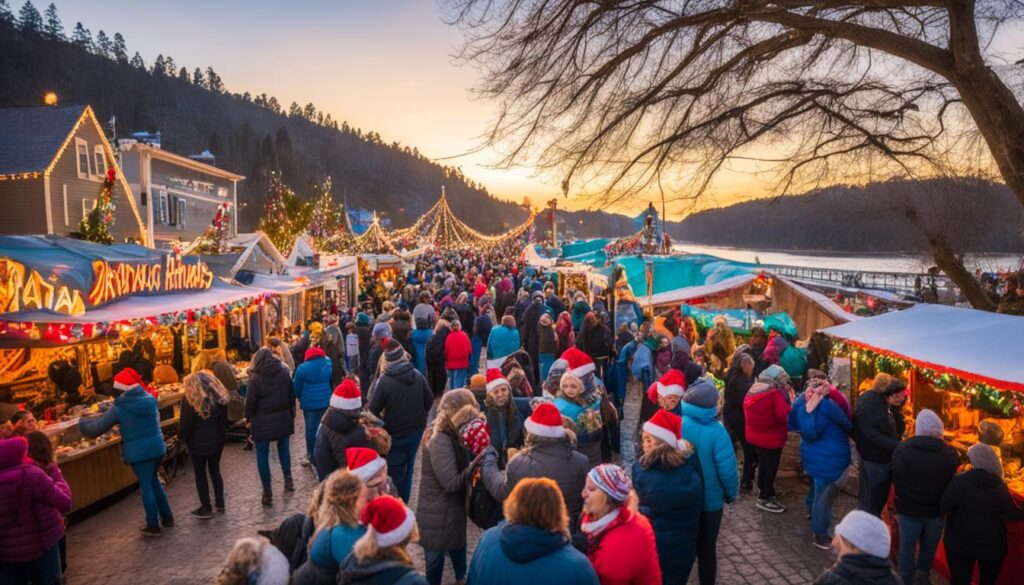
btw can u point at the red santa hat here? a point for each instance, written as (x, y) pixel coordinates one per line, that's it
(390, 520)
(672, 383)
(545, 421)
(666, 427)
(363, 463)
(579, 362)
(347, 396)
(128, 378)
(495, 379)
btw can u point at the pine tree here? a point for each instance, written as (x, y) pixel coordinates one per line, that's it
(277, 221)
(309, 112)
(273, 105)
(120, 49)
(183, 75)
(213, 82)
(169, 67)
(294, 111)
(53, 29)
(95, 227)
(104, 48)
(6, 16)
(137, 61)
(197, 78)
(82, 37)
(158, 66)
(29, 19)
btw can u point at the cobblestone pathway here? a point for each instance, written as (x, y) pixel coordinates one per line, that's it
(754, 547)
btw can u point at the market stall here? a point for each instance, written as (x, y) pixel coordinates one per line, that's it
(961, 363)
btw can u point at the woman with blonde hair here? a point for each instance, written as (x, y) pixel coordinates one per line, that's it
(337, 528)
(533, 546)
(203, 427)
(254, 561)
(443, 475)
(283, 352)
(380, 556)
(584, 410)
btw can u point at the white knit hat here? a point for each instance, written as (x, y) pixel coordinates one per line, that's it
(866, 532)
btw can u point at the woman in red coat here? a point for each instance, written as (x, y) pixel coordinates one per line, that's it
(620, 540)
(457, 349)
(766, 410)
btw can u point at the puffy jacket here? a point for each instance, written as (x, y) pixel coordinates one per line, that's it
(502, 342)
(203, 436)
(714, 453)
(514, 554)
(457, 350)
(436, 348)
(672, 499)
(327, 551)
(136, 412)
(625, 551)
(402, 399)
(269, 402)
(339, 430)
(312, 384)
(877, 427)
(444, 473)
(766, 414)
(977, 505)
(859, 569)
(579, 311)
(922, 467)
(31, 503)
(736, 387)
(352, 571)
(824, 438)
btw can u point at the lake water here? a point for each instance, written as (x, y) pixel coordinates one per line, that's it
(852, 262)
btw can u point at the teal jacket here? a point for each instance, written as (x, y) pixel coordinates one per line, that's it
(702, 428)
(331, 546)
(312, 384)
(503, 341)
(136, 412)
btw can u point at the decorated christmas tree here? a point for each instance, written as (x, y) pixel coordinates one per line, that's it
(214, 239)
(95, 227)
(280, 221)
(325, 219)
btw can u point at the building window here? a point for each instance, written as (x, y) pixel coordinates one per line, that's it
(162, 207)
(87, 206)
(100, 161)
(82, 151)
(64, 190)
(182, 206)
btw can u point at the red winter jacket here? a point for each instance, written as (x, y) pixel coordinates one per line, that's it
(766, 411)
(625, 551)
(31, 504)
(457, 350)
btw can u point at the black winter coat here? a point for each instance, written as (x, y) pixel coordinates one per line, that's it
(922, 468)
(269, 402)
(339, 430)
(736, 387)
(877, 427)
(402, 332)
(978, 505)
(402, 399)
(528, 328)
(203, 436)
(594, 342)
(466, 317)
(292, 539)
(859, 570)
(435, 348)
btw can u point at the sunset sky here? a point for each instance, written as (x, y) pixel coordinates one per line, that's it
(382, 65)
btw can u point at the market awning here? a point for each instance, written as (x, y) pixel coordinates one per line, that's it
(971, 344)
(682, 295)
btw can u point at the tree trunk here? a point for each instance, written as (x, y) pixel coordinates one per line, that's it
(950, 263)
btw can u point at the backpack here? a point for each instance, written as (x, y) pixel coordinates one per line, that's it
(481, 507)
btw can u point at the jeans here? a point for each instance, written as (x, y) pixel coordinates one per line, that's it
(202, 463)
(401, 461)
(874, 482)
(154, 500)
(767, 466)
(352, 363)
(914, 533)
(707, 543)
(961, 568)
(435, 564)
(457, 378)
(819, 501)
(474, 358)
(284, 455)
(312, 418)
(43, 571)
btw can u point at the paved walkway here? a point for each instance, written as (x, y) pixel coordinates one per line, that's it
(754, 546)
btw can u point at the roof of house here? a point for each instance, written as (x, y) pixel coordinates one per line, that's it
(183, 161)
(30, 137)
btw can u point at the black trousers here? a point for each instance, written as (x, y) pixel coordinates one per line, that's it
(707, 543)
(961, 568)
(739, 435)
(201, 464)
(767, 466)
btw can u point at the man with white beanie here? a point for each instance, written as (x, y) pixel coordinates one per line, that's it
(922, 467)
(862, 547)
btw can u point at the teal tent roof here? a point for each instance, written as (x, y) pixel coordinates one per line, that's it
(676, 272)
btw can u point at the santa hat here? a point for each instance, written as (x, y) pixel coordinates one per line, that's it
(390, 519)
(363, 463)
(128, 378)
(580, 363)
(666, 427)
(347, 396)
(495, 379)
(671, 383)
(545, 421)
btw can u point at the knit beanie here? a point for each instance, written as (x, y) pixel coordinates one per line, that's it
(702, 393)
(866, 532)
(478, 382)
(393, 351)
(381, 330)
(612, 480)
(928, 424)
(476, 435)
(984, 457)
(691, 372)
(774, 374)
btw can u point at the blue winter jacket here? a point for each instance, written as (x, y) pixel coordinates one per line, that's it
(312, 383)
(702, 428)
(331, 546)
(503, 341)
(136, 412)
(514, 554)
(420, 337)
(824, 438)
(672, 499)
(643, 360)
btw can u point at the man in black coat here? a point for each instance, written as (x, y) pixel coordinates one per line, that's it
(528, 330)
(877, 430)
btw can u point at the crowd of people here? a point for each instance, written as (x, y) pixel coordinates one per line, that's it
(509, 386)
